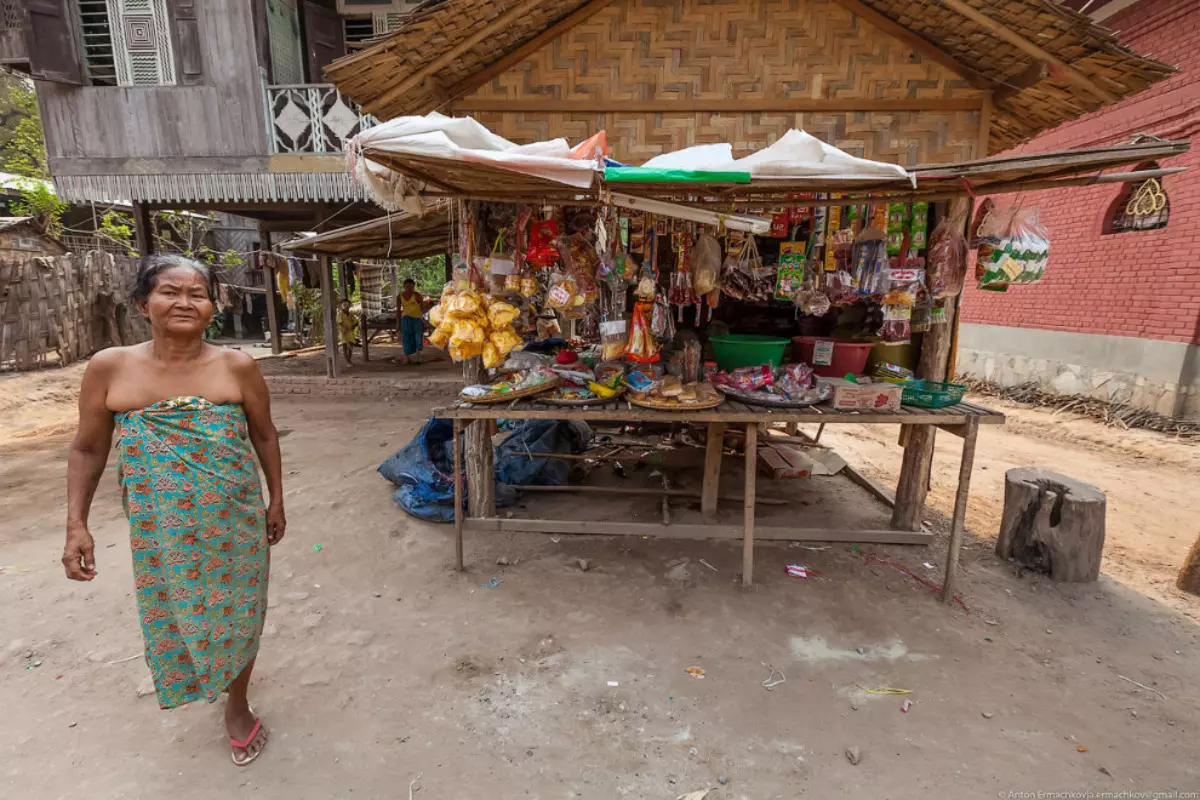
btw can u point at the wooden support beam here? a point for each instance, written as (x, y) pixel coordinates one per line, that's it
(748, 505)
(272, 295)
(514, 57)
(1018, 41)
(143, 227)
(333, 367)
(918, 43)
(958, 521)
(501, 22)
(725, 105)
(1032, 74)
(458, 505)
(983, 143)
(713, 450)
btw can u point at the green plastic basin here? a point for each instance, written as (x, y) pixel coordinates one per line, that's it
(748, 350)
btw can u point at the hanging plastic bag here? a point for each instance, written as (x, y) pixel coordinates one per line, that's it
(946, 265)
(706, 263)
(1019, 254)
(896, 324)
(901, 286)
(562, 291)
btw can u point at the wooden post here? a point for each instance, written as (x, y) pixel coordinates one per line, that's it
(713, 448)
(458, 509)
(333, 367)
(959, 521)
(748, 505)
(481, 480)
(267, 262)
(143, 228)
(918, 451)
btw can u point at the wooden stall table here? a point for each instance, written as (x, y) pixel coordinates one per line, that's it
(962, 420)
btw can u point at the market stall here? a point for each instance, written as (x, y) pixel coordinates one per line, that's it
(725, 300)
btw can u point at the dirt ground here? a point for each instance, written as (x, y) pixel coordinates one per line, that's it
(379, 663)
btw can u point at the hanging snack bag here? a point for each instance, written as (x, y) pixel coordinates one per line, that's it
(896, 324)
(543, 251)
(920, 226)
(706, 263)
(614, 336)
(897, 224)
(562, 292)
(947, 262)
(902, 286)
(642, 347)
(790, 277)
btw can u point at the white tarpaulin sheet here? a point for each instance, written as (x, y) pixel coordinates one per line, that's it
(796, 154)
(459, 139)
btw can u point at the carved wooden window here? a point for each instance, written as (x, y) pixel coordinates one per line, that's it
(141, 35)
(1141, 206)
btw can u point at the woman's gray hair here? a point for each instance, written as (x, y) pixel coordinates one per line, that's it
(150, 267)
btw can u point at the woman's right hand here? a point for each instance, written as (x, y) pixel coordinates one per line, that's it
(79, 556)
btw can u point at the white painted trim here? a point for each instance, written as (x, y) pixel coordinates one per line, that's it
(276, 187)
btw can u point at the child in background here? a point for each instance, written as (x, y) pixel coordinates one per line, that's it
(347, 325)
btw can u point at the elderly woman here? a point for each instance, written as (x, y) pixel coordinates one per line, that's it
(186, 414)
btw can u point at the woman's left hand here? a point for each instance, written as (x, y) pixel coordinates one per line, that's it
(276, 523)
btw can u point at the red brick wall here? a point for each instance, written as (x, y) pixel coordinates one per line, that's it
(1144, 284)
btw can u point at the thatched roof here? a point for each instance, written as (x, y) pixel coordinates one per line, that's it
(1044, 63)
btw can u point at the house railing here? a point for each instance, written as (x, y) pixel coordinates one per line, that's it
(312, 118)
(12, 16)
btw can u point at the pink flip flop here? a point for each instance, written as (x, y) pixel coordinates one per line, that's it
(258, 727)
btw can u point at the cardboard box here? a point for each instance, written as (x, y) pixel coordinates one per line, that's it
(784, 463)
(864, 395)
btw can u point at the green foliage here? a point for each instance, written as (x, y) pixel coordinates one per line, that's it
(309, 324)
(22, 147)
(38, 200)
(118, 228)
(429, 273)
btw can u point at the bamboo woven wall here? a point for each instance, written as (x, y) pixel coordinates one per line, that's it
(907, 138)
(733, 52)
(69, 306)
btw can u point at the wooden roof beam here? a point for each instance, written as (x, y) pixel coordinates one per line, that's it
(1021, 43)
(918, 43)
(514, 57)
(393, 94)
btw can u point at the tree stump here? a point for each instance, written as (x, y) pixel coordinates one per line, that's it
(1052, 524)
(1189, 576)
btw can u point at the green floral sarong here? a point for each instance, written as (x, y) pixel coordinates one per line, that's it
(199, 538)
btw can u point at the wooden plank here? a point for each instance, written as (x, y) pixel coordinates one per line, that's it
(958, 520)
(748, 507)
(748, 415)
(643, 491)
(689, 531)
(724, 106)
(713, 451)
(877, 491)
(1023, 44)
(918, 43)
(412, 80)
(514, 57)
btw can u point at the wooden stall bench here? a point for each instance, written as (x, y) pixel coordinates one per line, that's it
(962, 420)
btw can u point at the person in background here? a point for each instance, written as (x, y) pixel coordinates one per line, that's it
(189, 418)
(412, 329)
(347, 329)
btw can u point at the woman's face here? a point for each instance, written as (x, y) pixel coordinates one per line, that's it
(179, 302)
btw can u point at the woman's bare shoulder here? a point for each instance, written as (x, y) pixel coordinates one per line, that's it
(111, 360)
(237, 361)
